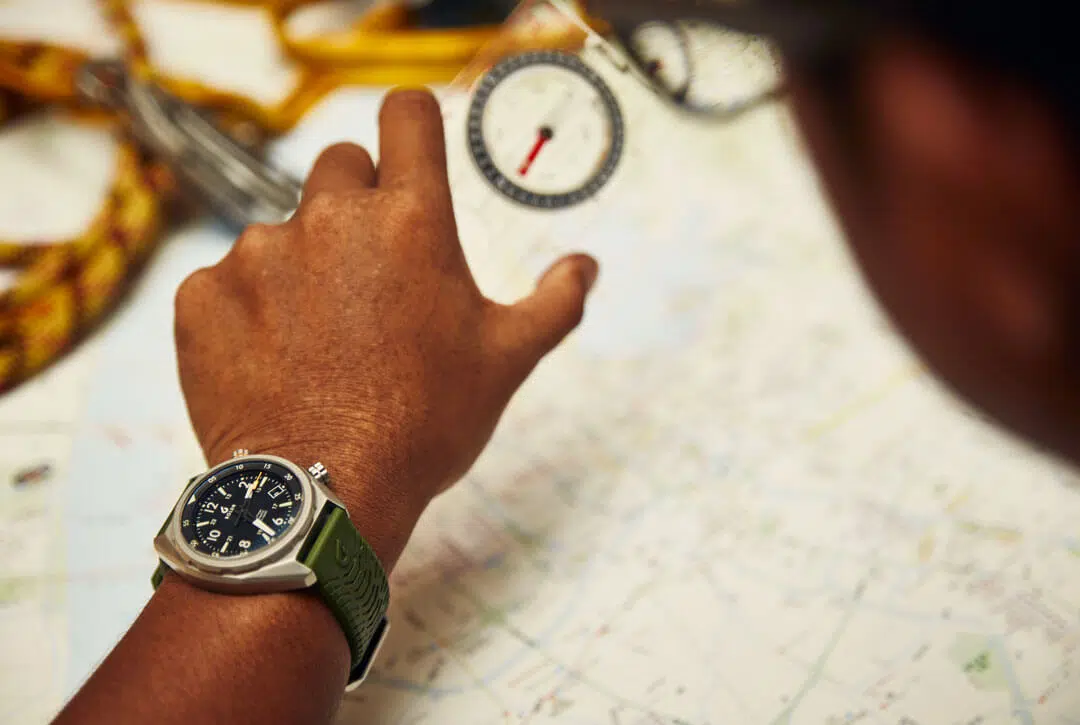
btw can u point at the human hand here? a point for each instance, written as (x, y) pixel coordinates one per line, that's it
(355, 334)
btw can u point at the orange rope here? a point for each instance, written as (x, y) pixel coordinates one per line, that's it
(65, 287)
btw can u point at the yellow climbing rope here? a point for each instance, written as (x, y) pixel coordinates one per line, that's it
(64, 287)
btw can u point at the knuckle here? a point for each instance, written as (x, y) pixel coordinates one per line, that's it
(254, 242)
(412, 203)
(421, 204)
(345, 152)
(255, 250)
(414, 218)
(324, 211)
(192, 294)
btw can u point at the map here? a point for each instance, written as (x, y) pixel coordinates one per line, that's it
(733, 496)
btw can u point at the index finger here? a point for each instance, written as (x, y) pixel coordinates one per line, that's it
(412, 142)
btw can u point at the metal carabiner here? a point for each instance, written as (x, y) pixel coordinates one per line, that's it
(238, 186)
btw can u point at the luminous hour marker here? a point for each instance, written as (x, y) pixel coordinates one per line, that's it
(222, 491)
(201, 524)
(226, 546)
(285, 504)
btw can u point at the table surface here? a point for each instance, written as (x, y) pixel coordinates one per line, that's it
(732, 496)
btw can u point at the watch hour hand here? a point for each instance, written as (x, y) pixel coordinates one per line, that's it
(253, 487)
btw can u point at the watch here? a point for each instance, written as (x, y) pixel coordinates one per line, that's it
(262, 524)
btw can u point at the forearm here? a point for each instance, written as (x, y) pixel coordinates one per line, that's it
(195, 656)
(355, 335)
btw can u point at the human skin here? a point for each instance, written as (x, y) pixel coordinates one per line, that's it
(355, 334)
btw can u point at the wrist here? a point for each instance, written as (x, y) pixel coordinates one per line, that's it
(260, 632)
(376, 499)
(191, 651)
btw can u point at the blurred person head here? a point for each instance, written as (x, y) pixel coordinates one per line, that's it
(946, 133)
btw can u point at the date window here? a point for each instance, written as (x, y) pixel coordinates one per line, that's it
(276, 491)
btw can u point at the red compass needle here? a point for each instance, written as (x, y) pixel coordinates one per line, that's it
(544, 135)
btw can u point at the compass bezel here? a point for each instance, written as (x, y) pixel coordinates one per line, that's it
(482, 155)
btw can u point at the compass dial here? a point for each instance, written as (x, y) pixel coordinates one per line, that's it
(545, 129)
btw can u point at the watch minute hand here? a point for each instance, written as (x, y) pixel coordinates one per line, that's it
(263, 527)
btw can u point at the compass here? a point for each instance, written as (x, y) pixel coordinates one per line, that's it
(703, 67)
(545, 129)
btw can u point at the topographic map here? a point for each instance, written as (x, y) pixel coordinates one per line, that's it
(731, 497)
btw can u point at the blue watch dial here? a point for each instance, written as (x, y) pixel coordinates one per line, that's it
(241, 508)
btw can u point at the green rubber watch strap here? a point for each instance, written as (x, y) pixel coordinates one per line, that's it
(162, 568)
(159, 574)
(352, 582)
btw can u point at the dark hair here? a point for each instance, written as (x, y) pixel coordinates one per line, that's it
(1034, 42)
(1027, 42)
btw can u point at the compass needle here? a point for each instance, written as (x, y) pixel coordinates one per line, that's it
(545, 129)
(542, 138)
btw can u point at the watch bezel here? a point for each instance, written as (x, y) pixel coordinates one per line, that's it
(277, 550)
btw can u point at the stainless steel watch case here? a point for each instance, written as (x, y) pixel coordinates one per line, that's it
(276, 568)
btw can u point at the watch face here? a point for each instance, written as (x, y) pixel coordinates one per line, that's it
(241, 509)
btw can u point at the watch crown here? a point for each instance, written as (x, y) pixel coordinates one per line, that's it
(240, 452)
(318, 471)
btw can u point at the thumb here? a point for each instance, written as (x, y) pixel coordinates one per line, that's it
(539, 322)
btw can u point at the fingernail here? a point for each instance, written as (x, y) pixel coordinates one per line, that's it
(589, 271)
